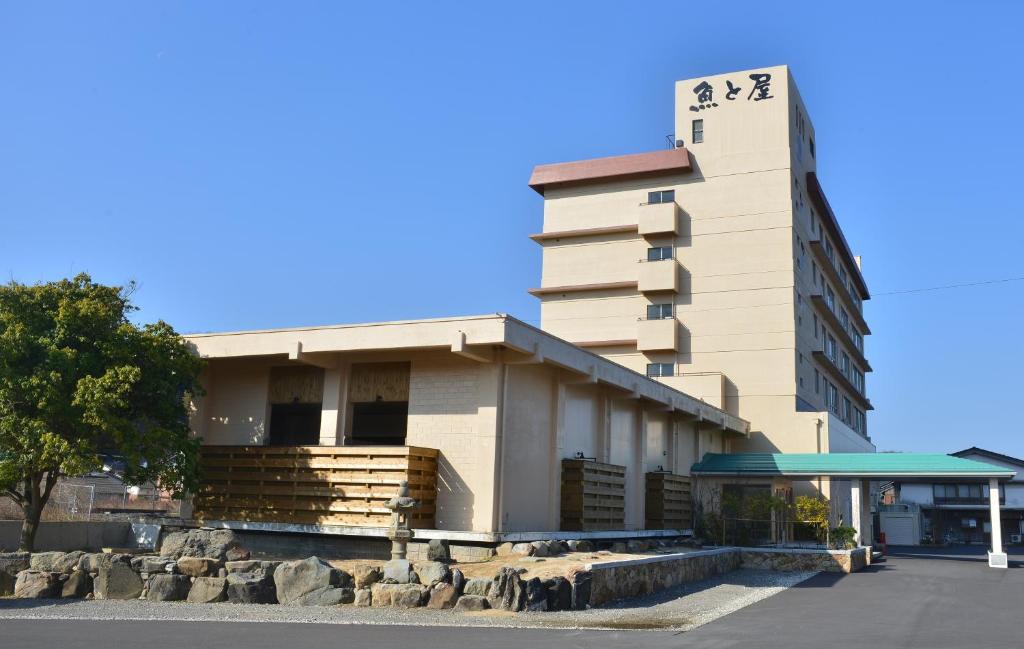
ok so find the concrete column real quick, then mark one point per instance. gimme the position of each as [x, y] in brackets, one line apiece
[639, 494]
[856, 521]
[868, 531]
[332, 414]
[996, 558]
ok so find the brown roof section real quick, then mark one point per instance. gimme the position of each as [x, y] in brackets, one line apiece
[637, 165]
[587, 232]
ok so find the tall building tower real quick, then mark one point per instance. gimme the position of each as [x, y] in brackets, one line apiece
[717, 266]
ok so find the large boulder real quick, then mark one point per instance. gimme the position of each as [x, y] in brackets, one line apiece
[581, 582]
[203, 542]
[540, 549]
[255, 587]
[206, 590]
[11, 563]
[477, 586]
[522, 550]
[198, 566]
[310, 582]
[559, 594]
[468, 603]
[37, 584]
[458, 580]
[431, 573]
[437, 550]
[443, 596]
[363, 597]
[507, 591]
[77, 585]
[536, 596]
[582, 545]
[399, 595]
[399, 571]
[366, 576]
[62, 562]
[250, 565]
[168, 588]
[155, 565]
[117, 580]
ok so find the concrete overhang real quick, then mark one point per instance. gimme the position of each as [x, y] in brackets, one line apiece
[475, 337]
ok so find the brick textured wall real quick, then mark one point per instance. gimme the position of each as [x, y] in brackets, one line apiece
[448, 402]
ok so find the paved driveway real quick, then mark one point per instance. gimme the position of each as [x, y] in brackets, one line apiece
[930, 598]
[922, 598]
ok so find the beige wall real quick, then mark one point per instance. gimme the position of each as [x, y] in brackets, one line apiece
[502, 431]
[744, 302]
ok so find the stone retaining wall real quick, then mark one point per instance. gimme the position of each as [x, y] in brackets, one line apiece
[614, 580]
[795, 559]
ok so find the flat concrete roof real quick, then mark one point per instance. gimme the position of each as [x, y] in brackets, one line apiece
[496, 337]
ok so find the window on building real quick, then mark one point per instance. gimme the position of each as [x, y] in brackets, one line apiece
[661, 369]
[661, 196]
[858, 380]
[859, 423]
[830, 298]
[830, 347]
[812, 147]
[698, 131]
[659, 311]
[659, 253]
[858, 340]
[817, 382]
[815, 325]
[844, 364]
[844, 319]
[847, 411]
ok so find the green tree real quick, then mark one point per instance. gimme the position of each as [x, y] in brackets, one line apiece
[78, 381]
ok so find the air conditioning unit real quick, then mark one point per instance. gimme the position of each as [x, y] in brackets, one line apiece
[1015, 538]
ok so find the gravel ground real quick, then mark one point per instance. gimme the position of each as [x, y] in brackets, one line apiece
[685, 607]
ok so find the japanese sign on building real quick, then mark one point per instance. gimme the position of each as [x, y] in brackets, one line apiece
[759, 88]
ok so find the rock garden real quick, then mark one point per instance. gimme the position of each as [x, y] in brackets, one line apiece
[209, 566]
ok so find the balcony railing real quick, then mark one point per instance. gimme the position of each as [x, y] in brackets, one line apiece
[658, 218]
[337, 485]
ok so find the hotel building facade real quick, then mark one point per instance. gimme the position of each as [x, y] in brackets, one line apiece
[718, 266]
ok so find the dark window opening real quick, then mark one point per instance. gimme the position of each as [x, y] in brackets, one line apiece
[659, 311]
[659, 254]
[662, 196]
[661, 369]
[379, 423]
[698, 131]
[295, 424]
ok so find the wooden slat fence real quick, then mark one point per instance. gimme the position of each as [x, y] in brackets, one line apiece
[340, 485]
[593, 496]
[669, 503]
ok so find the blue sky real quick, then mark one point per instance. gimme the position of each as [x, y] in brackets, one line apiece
[255, 165]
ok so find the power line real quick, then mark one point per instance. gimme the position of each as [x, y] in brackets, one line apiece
[948, 286]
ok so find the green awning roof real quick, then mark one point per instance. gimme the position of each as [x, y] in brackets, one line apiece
[847, 465]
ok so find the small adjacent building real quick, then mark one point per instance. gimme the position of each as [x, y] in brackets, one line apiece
[499, 428]
[954, 510]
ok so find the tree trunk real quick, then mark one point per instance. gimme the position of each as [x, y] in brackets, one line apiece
[29, 527]
[37, 494]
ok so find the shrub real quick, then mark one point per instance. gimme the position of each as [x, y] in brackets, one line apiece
[842, 537]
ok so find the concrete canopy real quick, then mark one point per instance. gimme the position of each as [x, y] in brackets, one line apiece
[847, 465]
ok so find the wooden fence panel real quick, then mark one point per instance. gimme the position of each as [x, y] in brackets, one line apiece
[593, 496]
[339, 485]
[669, 504]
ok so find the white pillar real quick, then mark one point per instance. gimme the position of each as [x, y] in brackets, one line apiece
[856, 520]
[332, 413]
[996, 558]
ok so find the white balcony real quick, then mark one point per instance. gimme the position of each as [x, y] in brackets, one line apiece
[658, 218]
[658, 276]
[657, 335]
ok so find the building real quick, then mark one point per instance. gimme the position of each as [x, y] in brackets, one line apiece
[718, 266]
[954, 510]
[493, 423]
